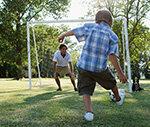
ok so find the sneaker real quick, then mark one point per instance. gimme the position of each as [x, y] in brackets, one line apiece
[89, 116]
[121, 94]
[112, 96]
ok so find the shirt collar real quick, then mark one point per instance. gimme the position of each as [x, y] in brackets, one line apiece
[105, 24]
[60, 52]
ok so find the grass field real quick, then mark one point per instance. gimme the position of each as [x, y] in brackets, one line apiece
[45, 107]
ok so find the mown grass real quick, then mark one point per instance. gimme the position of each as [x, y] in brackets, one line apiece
[46, 107]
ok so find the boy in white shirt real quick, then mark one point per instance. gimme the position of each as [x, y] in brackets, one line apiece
[61, 60]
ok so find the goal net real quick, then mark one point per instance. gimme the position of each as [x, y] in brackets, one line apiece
[31, 24]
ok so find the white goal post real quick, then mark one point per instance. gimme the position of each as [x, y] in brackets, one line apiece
[124, 39]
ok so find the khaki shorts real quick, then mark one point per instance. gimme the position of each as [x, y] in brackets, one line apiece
[87, 81]
[63, 71]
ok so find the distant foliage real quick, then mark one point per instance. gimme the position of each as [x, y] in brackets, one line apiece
[13, 17]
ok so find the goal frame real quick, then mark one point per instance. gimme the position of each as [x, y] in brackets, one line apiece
[126, 53]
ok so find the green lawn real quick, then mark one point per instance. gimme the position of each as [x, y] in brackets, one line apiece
[45, 107]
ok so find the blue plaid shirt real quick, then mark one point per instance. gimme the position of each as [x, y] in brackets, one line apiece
[100, 41]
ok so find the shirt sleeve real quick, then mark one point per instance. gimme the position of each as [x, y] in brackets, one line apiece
[79, 33]
[55, 57]
[113, 47]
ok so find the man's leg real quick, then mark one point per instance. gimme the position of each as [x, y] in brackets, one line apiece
[119, 96]
[73, 83]
[58, 83]
[116, 93]
[86, 86]
[87, 103]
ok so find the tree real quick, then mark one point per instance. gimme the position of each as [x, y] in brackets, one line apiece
[13, 17]
[135, 12]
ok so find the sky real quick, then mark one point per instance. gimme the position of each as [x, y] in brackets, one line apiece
[77, 10]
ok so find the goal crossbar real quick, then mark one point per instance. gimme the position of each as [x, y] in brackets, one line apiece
[124, 37]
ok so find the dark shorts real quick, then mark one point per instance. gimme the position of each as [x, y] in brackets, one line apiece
[87, 81]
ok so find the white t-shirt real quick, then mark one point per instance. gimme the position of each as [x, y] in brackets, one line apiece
[61, 61]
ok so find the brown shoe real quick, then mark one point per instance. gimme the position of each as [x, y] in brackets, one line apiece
[59, 89]
[75, 89]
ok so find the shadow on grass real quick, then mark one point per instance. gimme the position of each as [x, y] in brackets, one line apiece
[14, 91]
[48, 96]
[65, 109]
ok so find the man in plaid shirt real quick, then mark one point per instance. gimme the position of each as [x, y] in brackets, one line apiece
[101, 43]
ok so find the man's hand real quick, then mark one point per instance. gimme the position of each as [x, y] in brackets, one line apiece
[115, 63]
[122, 77]
[72, 74]
[61, 38]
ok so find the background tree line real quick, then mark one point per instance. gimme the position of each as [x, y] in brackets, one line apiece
[135, 11]
[14, 15]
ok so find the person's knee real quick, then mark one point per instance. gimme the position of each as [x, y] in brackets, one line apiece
[72, 76]
[56, 78]
[56, 75]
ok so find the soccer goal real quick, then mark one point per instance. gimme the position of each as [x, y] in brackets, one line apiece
[126, 54]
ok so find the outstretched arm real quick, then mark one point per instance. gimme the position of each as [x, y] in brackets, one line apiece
[61, 37]
[113, 59]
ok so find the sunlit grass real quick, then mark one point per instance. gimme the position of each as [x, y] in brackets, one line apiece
[45, 107]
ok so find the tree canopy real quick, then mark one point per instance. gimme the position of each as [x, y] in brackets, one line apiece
[15, 13]
[135, 12]
[13, 17]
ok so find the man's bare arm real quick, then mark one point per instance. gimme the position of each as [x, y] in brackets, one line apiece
[113, 59]
[61, 37]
